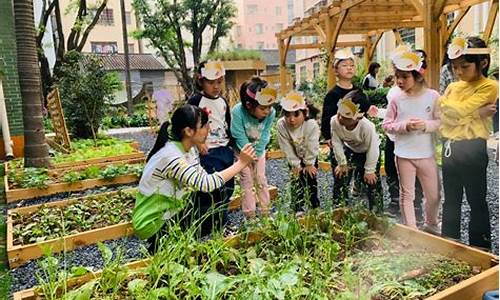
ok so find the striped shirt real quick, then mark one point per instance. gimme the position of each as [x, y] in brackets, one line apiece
[171, 172]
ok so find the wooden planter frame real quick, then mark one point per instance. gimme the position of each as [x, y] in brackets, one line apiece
[470, 289]
[20, 254]
[14, 195]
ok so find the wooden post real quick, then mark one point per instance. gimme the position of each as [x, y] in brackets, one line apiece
[366, 51]
[328, 46]
[283, 72]
[488, 29]
[432, 40]
[332, 37]
[397, 36]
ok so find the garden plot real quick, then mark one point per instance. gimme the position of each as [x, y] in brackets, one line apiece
[27, 183]
[337, 255]
[68, 224]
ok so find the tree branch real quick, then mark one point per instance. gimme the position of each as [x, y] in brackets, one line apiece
[91, 25]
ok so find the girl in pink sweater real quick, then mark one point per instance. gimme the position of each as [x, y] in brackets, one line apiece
[412, 118]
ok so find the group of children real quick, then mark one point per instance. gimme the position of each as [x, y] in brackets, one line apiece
[199, 151]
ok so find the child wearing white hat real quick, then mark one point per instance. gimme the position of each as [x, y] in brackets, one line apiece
[251, 122]
[412, 118]
[216, 153]
[298, 137]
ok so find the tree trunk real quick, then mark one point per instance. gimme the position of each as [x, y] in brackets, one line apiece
[36, 152]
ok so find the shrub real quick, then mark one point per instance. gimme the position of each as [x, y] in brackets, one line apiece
[86, 90]
[378, 96]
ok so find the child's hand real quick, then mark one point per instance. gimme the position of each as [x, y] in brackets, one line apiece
[341, 171]
[415, 124]
[247, 154]
[296, 171]
[487, 110]
[371, 179]
[310, 170]
[202, 148]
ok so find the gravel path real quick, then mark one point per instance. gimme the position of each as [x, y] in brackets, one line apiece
[277, 172]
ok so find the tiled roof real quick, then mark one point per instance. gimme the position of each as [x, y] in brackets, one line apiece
[141, 62]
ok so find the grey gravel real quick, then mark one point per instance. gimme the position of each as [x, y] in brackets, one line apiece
[278, 175]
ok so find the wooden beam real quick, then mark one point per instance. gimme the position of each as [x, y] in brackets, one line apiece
[432, 43]
[453, 26]
[438, 8]
[287, 46]
[371, 53]
[488, 29]
[321, 45]
[461, 5]
[321, 32]
[282, 67]
[397, 36]
[332, 42]
[418, 6]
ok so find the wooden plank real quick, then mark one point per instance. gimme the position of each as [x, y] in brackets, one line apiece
[19, 255]
[463, 4]
[472, 288]
[371, 53]
[275, 154]
[100, 165]
[439, 245]
[418, 6]
[93, 161]
[235, 202]
[492, 15]
[456, 21]
[14, 195]
[321, 32]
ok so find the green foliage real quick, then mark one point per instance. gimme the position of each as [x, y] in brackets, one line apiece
[316, 91]
[84, 149]
[236, 54]
[165, 23]
[52, 222]
[360, 74]
[378, 96]
[123, 121]
[86, 90]
[29, 178]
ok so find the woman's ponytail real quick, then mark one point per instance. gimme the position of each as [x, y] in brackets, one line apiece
[161, 140]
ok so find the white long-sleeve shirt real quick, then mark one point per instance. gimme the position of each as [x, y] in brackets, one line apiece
[402, 108]
[362, 139]
[299, 144]
[172, 170]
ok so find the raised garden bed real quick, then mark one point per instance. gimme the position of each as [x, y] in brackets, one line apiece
[336, 255]
[88, 220]
[36, 182]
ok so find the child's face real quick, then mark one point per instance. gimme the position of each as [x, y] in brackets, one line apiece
[212, 88]
[466, 71]
[200, 135]
[294, 119]
[405, 80]
[345, 69]
[260, 111]
[347, 122]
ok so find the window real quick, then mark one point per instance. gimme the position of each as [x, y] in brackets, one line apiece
[278, 10]
[303, 74]
[260, 45]
[128, 17]
[278, 27]
[239, 46]
[408, 35]
[104, 47]
[251, 9]
[259, 29]
[131, 48]
[450, 18]
[238, 30]
[106, 17]
[316, 70]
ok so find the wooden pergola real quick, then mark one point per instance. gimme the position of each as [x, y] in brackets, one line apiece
[371, 18]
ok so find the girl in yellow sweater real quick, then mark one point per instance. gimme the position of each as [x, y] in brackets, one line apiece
[466, 110]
